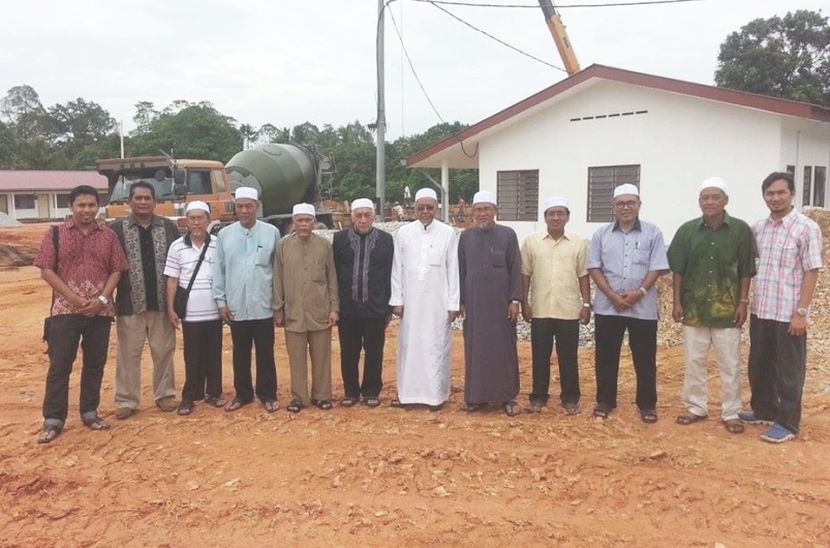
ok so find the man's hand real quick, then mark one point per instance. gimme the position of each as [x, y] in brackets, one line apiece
[677, 312]
[173, 318]
[388, 319]
[527, 311]
[618, 302]
[740, 315]
[585, 315]
[632, 297]
[798, 325]
[397, 311]
[279, 319]
[333, 317]
[91, 307]
[225, 314]
[513, 312]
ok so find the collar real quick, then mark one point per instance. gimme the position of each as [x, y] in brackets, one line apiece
[70, 223]
[636, 226]
[726, 221]
[154, 221]
[189, 243]
[786, 220]
[548, 236]
[356, 233]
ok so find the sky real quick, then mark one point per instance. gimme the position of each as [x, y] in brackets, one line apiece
[285, 62]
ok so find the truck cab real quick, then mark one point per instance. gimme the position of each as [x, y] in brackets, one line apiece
[176, 182]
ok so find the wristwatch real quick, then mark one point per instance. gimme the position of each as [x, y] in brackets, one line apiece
[514, 301]
[802, 311]
[643, 290]
[103, 300]
[587, 305]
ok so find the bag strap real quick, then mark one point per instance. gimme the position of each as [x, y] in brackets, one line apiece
[198, 264]
[55, 268]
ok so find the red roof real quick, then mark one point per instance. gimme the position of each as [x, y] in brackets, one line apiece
[33, 180]
[724, 95]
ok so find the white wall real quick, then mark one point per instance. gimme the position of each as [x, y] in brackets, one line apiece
[681, 141]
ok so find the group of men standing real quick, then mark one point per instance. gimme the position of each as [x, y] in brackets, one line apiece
[252, 279]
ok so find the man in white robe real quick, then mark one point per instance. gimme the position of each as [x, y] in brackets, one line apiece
[425, 295]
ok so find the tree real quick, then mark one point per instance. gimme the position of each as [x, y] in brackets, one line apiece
[79, 124]
[782, 56]
[248, 134]
[145, 114]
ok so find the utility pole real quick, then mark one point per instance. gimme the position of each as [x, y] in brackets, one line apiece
[121, 136]
[380, 178]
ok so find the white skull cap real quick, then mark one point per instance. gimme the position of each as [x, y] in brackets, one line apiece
[426, 193]
[484, 197]
[303, 209]
[626, 189]
[246, 192]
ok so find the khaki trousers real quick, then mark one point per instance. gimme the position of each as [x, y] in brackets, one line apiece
[318, 344]
[727, 344]
[132, 331]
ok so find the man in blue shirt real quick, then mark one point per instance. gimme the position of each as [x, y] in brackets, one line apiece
[243, 286]
[625, 260]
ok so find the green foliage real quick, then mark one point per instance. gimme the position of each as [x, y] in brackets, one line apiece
[782, 56]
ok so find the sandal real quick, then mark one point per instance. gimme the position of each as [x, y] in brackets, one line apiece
[49, 433]
[471, 407]
[325, 405]
[396, 403]
[348, 402]
[271, 405]
[649, 416]
[185, 408]
[572, 408]
[534, 407]
[95, 423]
[235, 404]
[689, 418]
[734, 426]
[217, 401]
[601, 411]
[371, 402]
[294, 406]
[511, 408]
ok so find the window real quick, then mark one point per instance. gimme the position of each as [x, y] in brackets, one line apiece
[807, 188]
[819, 180]
[518, 195]
[4, 203]
[791, 170]
[24, 201]
[601, 184]
[198, 182]
[62, 201]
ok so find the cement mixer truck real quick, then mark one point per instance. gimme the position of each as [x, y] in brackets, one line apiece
[283, 174]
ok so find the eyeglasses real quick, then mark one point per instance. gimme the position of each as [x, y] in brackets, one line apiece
[629, 204]
[425, 207]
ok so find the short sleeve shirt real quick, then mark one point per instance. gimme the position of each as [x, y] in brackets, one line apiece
[625, 258]
[712, 263]
[182, 258]
[554, 268]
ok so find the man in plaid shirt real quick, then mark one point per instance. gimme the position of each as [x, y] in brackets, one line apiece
[789, 246]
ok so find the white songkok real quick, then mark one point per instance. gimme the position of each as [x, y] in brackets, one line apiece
[626, 189]
[484, 197]
[363, 202]
[555, 201]
[426, 193]
[303, 209]
[247, 192]
[197, 205]
[715, 182]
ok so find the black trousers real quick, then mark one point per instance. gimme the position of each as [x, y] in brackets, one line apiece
[543, 331]
[642, 339]
[68, 331]
[777, 366]
[356, 335]
[260, 333]
[202, 359]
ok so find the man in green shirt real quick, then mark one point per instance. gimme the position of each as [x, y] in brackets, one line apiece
[712, 259]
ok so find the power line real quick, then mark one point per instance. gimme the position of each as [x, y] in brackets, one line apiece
[487, 34]
[558, 6]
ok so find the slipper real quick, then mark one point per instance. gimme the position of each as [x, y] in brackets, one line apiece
[734, 426]
[572, 408]
[534, 407]
[601, 411]
[235, 404]
[689, 418]
[371, 402]
[185, 408]
[511, 408]
[217, 401]
[325, 405]
[348, 402]
[271, 405]
[294, 406]
[649, 416]
[471, 407]
[96, 423]
[49, 433]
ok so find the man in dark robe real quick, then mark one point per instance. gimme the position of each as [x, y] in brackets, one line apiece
[490, 263]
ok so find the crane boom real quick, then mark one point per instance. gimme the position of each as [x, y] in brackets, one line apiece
[560, 37]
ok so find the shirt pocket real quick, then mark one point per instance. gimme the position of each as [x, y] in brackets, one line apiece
[787, 251]
[263, 256]
[435, 258]
[318, 271]
[642, 255]
[498, 258]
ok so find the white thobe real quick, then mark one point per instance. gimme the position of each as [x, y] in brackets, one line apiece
[425, 283]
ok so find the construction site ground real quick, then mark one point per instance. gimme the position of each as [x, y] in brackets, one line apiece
[389, 476]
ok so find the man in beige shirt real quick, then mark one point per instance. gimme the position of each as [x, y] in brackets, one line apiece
[307, 305]
[553, 269]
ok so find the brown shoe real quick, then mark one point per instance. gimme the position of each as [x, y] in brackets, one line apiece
[168, 404]
[124, 413]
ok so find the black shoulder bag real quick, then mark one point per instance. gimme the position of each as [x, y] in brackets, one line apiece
[182, 295]
[47, 323]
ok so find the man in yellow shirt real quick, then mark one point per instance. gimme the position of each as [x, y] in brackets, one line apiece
[553, 269]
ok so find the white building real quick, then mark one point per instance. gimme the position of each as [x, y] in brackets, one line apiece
[605, 126]
[42, 195]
